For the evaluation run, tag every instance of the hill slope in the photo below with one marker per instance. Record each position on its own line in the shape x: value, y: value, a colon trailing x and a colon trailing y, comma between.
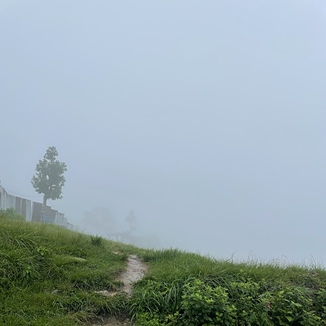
x: 52, y: 276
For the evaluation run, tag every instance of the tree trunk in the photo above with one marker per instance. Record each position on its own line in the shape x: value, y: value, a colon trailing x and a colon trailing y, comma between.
x: 43, y: 208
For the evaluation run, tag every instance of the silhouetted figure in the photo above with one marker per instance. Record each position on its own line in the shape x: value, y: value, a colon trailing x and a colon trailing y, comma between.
x: 132, y: 221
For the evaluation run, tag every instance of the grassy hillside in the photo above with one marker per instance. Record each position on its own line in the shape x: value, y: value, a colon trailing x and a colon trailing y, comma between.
x: 49, y: 275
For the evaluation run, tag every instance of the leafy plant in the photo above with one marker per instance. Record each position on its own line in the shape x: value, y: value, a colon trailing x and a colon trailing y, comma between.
x: 320, y: 303
x: 204, y: 305
x: 251, y: 306
x: 292, y: 306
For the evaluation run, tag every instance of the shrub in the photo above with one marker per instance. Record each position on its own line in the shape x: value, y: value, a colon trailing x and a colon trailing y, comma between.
x: 204, y: 305
x: 320, y: 303
x: 292, y: 306
x: 251, y: 306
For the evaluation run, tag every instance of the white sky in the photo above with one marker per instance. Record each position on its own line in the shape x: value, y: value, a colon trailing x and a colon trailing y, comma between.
x: 205, y: 117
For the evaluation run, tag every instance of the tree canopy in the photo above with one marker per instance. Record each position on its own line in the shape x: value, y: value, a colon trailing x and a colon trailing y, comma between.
x: 49, y: 177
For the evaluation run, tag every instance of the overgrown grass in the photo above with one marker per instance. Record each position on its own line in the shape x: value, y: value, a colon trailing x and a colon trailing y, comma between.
x: 11, y: 214
x: 188, y: 289
x: 49, y: 275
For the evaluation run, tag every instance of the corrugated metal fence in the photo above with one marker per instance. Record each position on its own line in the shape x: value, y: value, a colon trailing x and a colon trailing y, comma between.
x: 32, y: 210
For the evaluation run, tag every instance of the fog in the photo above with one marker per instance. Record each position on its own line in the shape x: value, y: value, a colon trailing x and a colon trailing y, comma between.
x: 206, y: 118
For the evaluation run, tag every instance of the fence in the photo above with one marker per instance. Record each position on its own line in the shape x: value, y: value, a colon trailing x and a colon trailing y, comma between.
x: 32, y: 211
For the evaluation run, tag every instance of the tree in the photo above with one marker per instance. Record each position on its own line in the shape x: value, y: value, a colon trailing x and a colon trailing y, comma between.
x: 49, y: 179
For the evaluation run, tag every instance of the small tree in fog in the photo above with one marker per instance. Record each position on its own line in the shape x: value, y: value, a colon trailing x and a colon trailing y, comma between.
x: 49, y: 179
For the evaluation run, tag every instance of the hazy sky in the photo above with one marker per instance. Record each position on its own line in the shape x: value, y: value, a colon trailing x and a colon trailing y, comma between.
x: 205, y: 117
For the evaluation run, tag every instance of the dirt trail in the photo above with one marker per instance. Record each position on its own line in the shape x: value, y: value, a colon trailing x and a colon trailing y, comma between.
x: 134, y: 272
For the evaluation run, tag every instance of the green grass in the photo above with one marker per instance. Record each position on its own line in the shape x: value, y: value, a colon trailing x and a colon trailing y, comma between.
x: 161, y: 298
x: 49, y: 275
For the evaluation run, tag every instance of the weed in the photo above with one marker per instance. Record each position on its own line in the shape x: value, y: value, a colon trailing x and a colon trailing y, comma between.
x: 96, y: 240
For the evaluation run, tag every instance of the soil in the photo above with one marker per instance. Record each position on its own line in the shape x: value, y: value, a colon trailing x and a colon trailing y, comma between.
x: 115, y: 322
x: 134, y: 272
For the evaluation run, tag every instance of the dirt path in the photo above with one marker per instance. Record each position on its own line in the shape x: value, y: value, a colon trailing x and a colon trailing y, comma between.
x: 134, y: 272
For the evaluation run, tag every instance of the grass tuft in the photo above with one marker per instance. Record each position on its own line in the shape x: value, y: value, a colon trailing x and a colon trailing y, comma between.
x: 96, y: 240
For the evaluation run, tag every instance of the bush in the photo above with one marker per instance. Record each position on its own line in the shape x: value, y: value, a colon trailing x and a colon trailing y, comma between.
x: 204, y: 305
x: 320, y: 303
x: 292, y: 306
x: 251, y: 306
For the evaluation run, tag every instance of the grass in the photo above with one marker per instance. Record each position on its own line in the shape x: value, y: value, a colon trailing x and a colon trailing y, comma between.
x: 161, y: 296
x: 49, y: 275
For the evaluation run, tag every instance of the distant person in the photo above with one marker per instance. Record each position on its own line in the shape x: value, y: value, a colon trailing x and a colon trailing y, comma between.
x: 132, y: 221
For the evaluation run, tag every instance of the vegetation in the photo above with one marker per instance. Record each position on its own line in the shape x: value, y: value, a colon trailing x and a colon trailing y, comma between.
x: 50, y: 275
x: 49, y: 178
x: 187, y: 289
x: 11, y: 214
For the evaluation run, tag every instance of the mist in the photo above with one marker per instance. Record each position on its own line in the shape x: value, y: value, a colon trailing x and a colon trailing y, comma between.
x: 204, y: 118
